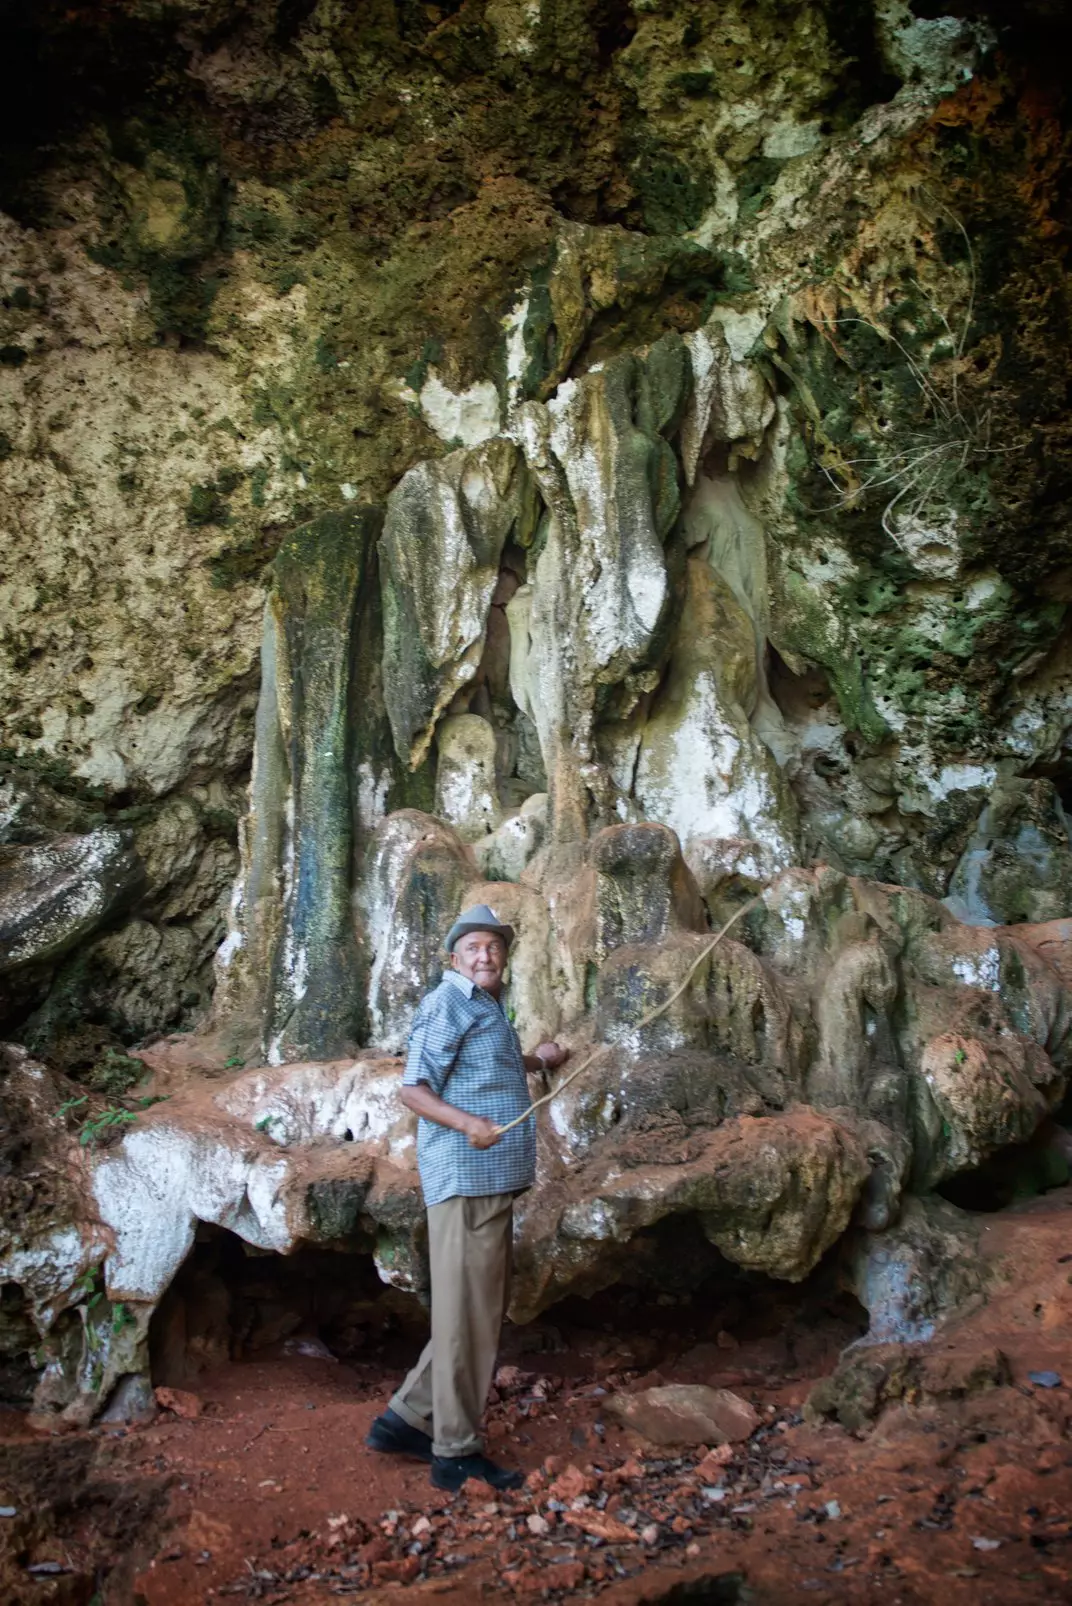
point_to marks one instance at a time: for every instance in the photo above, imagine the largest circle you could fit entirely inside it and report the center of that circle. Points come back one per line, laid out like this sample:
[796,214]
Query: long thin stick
[646,1020]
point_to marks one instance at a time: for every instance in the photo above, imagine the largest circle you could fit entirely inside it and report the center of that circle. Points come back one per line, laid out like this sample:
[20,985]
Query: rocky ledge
[847,1049]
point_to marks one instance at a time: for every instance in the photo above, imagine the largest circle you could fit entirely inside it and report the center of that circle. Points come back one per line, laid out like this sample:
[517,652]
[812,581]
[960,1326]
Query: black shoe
[391,1436]
[450,1472]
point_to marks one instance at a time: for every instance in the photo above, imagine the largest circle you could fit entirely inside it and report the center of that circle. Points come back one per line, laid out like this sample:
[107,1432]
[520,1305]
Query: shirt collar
[462,983]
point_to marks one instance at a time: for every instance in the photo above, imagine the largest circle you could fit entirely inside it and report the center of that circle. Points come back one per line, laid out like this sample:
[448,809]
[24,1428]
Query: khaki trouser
[469,1246]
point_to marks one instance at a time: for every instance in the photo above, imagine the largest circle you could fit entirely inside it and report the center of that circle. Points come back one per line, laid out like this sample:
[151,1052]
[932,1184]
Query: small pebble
[833,1510]
[713,1492]
[650,1534]
[1045,1380]
[9,1511]
[537,1525]
[986,1544]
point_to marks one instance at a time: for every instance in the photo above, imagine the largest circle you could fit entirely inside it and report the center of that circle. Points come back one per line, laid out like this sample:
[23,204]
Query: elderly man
[465,1079]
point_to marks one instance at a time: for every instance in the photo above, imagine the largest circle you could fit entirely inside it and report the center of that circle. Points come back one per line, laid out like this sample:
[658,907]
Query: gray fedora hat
[478,918]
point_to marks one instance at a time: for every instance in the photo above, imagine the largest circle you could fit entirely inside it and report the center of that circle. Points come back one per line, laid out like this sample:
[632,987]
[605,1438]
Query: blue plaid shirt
[462,1045]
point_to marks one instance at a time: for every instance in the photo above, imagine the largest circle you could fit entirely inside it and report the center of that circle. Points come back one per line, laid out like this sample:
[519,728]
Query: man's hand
[422,1101]
[482,1134]
[551,1056]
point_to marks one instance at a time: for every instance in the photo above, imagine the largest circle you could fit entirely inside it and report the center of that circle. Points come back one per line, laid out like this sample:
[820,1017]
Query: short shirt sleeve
[438,1029]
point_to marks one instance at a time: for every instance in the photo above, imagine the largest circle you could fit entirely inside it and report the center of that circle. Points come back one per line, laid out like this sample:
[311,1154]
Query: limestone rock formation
[72,1346]
[608,460]
[296,951]
[700,766]
[703,350]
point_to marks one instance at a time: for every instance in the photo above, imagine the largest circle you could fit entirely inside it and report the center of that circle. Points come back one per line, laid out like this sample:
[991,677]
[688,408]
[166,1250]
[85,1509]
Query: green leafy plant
[86,1288]
[122,1317]
[94,1127]
[115,1074]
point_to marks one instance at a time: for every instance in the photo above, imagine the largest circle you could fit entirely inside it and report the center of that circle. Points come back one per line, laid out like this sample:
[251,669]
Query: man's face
[480,956]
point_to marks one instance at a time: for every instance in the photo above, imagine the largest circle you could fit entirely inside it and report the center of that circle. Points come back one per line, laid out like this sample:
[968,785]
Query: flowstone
[291,961]
[446,525]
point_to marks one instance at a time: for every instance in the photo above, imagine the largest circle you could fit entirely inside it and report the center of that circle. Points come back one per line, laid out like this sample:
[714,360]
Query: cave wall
[606,458]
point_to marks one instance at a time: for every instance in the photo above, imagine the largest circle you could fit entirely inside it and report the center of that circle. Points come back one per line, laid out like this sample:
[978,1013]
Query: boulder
[771,1193]
[869,1379]
[180,1402]
[254,1156]
[33,811]
[918,1271]
[979,1094]
[53,894]
[685,1413]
